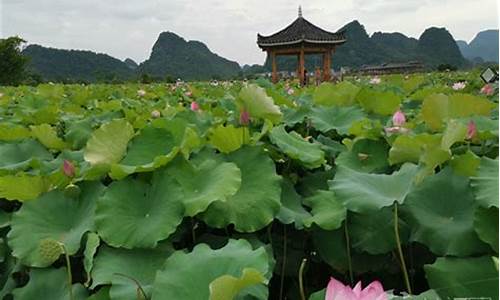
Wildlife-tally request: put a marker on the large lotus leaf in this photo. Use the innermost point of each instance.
(361, 192)
(485, 183)
(367, 128)
(486, 225)
(14, 156)
(133, 213)
(78, 132)
(465, 164)
(437, 109)
(204, 180)
(427, 295)
(259, 194)
(22, 187)
(227, 287)
(108, 144)
(292, 116)
(91, 246)
(342, 94)
(325, 119)
(378, 102)
(374, 233)
(291, 210)
(319, 295)
(441, 214)
(258, 104)
(227, 139)
(11, 132)
(474, 278)
(152, 148)
(48, 137)
(365, 156)
(51, 283)
(56, 217)
(120, 267)
(454, 132)
(327, 212)
(204, 265)
(295, 146)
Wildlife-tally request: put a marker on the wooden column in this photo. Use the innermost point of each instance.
(327, 64)
(301, 66)
(298, 67)
(275, 68)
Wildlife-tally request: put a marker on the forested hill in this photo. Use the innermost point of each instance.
(174, 56)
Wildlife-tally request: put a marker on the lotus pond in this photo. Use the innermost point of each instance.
(250, 190)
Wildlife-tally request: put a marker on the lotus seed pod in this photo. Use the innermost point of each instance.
(72, 191)
(50, 250)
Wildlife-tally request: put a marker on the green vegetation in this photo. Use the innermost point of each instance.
(12, 62)
(202, 191)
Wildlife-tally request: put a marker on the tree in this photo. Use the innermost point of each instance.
(12, 62)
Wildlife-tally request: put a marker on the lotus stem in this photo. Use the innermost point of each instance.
(68, 269)
(348, 248)
(400, 250)
(283, 263)
(301, 281)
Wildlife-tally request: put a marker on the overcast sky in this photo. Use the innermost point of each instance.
(126, 28)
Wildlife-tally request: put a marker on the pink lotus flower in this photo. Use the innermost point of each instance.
(457, 86)
(244, 117)
(68, 168)
(290, 91)
(337, 291)
(471, 130)
(1, 95)
(399, 118)
(155, 114)
(141, 93)
(488, 90)
(188, 94)
(195, 106)
(376, 80)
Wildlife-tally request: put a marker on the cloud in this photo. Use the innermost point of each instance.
(126, 28)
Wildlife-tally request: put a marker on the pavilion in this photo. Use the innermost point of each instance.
(301, 38)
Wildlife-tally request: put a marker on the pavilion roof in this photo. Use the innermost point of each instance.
(300, 31)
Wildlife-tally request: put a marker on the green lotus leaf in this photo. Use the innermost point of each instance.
(473, 277)
(319, 295)
(327, 212)
(485, 183)
(365, 156)
(454, 132)
(378, 102)
(91, 245)
(227, 287)
(427, 295)
(254, 99)
(78, 133)
(22, 187)
(486, 225)
(125, 269)
(374, 233)
(152, 148)
(440, 212)
(108, 144)
(11, 132)
(338, 118)
(291, 210)
(292, 116)
(204, 265)
(227, 139)
(136, 214)
(259, 193)
(437, 109)
(56, 217)
(52, 284)
(102, 294)
(294, 145)
(342, 94)
(204, 180)
(15, 156)
(366, 128)
(361, 192)
(48, 137)
(465, 164)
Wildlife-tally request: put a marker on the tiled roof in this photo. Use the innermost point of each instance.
(299, 31)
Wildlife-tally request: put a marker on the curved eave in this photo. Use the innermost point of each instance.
(335, 42)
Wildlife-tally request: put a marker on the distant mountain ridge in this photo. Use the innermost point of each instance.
(483, 47)
(172, 56)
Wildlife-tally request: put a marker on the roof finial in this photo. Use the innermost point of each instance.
(300, 11)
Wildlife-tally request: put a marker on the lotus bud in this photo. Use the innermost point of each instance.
(244, 117)
(68, 168)
(471, 130)
(141, 93)
(399, 118)
(195, 106)
(155, 114)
